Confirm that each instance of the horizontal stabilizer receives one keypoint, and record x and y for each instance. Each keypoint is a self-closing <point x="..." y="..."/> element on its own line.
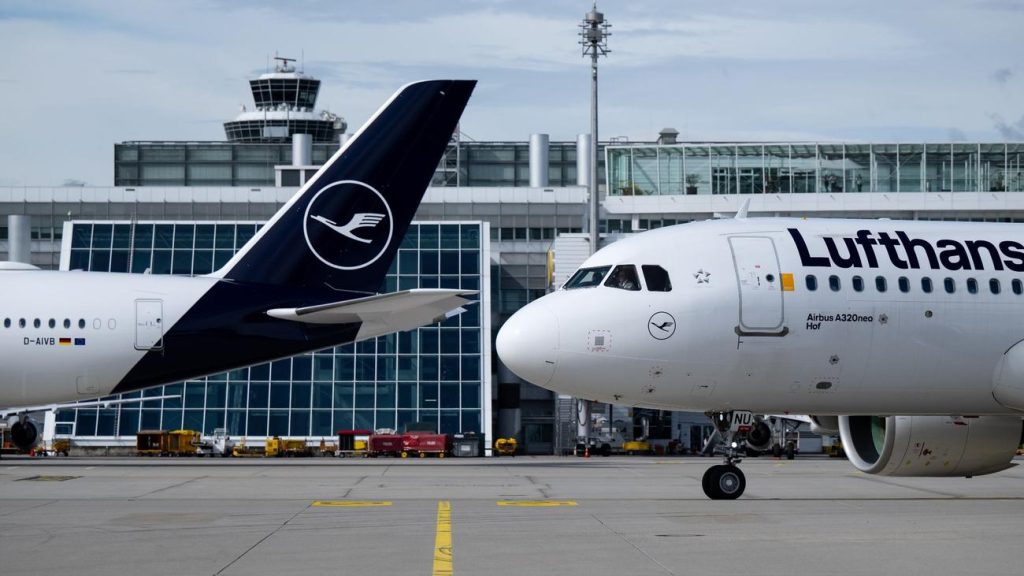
<point x="90" y="404"/>
<point x="383" y="313"/>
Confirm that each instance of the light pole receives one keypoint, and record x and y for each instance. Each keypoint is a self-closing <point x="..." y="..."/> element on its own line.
<point x="594" y="40"/>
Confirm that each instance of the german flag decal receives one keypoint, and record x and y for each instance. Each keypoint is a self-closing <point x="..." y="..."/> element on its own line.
<point x="65" y="341"/>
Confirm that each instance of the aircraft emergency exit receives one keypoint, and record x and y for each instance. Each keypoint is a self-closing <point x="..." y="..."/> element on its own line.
<point x="906" y="337"/>
<point x="307" y="280"/>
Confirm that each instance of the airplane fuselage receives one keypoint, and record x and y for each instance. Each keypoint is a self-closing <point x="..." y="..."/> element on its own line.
<point x="84" y="334"/>
<point x="742" y="328"/>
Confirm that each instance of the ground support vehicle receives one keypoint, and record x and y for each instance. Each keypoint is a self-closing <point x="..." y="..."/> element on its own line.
<point x="384" y="445"/>
<point x="353" y="443"/>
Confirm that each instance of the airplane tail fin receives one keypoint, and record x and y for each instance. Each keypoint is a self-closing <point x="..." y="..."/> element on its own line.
<point x="342" y="229"/>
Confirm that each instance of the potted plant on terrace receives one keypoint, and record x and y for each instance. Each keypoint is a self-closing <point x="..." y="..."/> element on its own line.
<point x="691" y="183"/>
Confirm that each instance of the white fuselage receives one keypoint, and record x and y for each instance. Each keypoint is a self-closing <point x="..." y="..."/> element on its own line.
<point x="746" y="338"/>
<point x="113" y="321"/>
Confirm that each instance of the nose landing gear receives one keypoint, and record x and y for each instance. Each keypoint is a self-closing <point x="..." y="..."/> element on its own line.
<point x="726" y="481"/>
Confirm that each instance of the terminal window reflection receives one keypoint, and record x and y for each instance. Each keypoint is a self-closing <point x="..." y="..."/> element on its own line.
<point x="752" y="168"/>
<point x="385" y="382"/>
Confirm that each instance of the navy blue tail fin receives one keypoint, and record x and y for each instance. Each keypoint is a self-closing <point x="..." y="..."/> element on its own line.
<point x="343" y="228"/>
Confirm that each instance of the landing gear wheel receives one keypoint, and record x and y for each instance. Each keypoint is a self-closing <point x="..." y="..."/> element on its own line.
<point x="724" y="482"/>
<point x="790" y="451"/>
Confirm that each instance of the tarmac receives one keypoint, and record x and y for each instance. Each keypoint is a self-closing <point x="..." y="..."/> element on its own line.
<point x="498" y="516"/>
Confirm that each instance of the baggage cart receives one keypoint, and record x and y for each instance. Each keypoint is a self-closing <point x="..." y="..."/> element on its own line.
<point x="424" y="443"/>
<point x="385" y="445"/>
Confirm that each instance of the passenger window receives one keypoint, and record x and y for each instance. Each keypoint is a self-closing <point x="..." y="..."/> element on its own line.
<point x="904" y="284"/>
<point x="812" y="282"/>
<point x="833" y="283"/>
<point x="67" y="323"/>
<point x="926" y="285"/>
<point x="21" y="322"/>
<point x="624" y="278"/>
<point x="1018" y="286"/>
<point x="587" y="277"/>
<point x="36" y="323"/>
<point x="993" y="285"/>
<point x="950" y="285"/>
<point x="81" y="323"/>
<point x="656" y="278"/>
<point x="7" y="322"/>
<point x="880" y="283"/>
<point x="53" y="323"/>
<point x="972" y="285"/>
<point x="858" y="284"/>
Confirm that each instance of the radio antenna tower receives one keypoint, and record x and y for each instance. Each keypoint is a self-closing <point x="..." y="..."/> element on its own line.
<point x="594" y="35"/>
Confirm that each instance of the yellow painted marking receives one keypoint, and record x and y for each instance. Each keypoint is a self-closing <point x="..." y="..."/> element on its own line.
<point x="787" y="282"/>
<point x="349" y="504"/>
<point x="443" y="540"/>
<point x="536" y="503"/>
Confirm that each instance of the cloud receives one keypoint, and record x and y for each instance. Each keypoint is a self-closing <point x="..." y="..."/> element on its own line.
<point x="1013" y="132"/>
<point x="157" y="70"/>
<point x="1002" y="75"/>
<point x="957" y="135"/>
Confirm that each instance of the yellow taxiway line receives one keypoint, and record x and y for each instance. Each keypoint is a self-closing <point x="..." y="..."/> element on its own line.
<point x="443" y="540"/>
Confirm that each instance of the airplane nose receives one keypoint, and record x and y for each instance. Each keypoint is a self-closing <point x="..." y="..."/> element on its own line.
<point x="528" y="343"/>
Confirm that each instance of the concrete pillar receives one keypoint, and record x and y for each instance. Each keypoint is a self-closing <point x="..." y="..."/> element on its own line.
<point x="302" y="149"/>
<point x="19" y="238"/>
<point x="583" y="160"/>
<point x="539" y="151"/>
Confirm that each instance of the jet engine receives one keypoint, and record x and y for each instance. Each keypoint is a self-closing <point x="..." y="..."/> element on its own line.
<point x="930" y="445"/>
<point x="760" y="436"/>
<point x="25" y="432"/>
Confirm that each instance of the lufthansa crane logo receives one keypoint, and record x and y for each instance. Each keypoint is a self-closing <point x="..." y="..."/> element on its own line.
<point x="661" y="326"/>
<point x="348" y="225"/>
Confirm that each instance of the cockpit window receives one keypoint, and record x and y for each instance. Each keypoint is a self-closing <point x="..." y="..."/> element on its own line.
<point x="587" y="277"/>
<point x="656" y="278"/>
<point x="624" y="278"/>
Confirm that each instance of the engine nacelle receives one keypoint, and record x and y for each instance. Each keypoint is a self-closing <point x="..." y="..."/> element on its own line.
<point x="760" y="436"/>
<point x="25" y="433"/>
<point x="930" y="445"/>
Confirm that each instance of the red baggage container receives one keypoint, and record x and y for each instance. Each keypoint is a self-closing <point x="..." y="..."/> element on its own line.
<point x="424" y="443"/>
<point x="385" y="445"/>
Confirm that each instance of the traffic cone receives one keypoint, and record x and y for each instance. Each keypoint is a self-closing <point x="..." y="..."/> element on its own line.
<point x="586" y="452"/>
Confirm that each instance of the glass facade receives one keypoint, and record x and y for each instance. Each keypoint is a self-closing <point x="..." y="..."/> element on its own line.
<point x="487" y="164"/>
<point x="687" y="169"/>
<point x="438" y="374"/>
<point x="205" y="163"/>
<point x="279" y="130"/>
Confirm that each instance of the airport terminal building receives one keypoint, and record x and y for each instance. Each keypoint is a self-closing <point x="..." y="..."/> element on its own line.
<point x="489" y="222"/>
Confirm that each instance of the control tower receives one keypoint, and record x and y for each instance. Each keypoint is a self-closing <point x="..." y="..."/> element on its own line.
<point x="284" y="102"/>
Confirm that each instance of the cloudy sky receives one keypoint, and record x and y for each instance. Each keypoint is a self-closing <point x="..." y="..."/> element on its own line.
<point x="78" y="76"/>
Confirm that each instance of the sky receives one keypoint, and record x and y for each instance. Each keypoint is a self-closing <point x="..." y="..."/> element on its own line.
<point x="78" y="76"/>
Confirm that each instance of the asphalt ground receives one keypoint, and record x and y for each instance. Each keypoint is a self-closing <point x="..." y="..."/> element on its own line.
<point x="514" y="516"/>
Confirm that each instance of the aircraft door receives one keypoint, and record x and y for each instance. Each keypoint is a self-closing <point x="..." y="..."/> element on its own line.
<point x="760" y="286"/>
<point x="149" y="325"/>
